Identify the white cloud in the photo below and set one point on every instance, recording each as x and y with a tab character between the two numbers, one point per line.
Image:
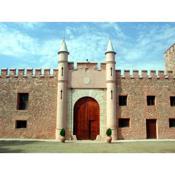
23	47
115	28
89	42
87	46
149	46
30	25
16	44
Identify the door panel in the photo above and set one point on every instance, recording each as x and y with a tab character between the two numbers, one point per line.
151	128
86	119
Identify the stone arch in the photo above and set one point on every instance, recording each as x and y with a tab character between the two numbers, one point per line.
85	97
98	94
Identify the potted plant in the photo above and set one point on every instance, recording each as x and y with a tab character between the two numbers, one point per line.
109	133
62	135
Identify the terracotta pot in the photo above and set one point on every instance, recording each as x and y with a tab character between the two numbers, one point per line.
62	139
109	139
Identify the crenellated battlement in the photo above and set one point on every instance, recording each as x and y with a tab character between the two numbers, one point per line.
126	74
144	74
26	73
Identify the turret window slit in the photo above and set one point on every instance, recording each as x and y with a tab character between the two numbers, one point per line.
111	94
62	71
61	94
111	71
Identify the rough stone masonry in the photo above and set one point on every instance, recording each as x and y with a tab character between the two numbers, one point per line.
135	105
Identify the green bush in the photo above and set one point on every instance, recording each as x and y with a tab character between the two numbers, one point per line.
62	132
109	132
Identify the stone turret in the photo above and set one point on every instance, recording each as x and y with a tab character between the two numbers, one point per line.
111	90
62	88
170	59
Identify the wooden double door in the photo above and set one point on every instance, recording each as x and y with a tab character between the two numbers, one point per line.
86	119
151	128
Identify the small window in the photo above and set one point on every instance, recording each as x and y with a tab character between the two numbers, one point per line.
122	100
172	100
111	94
172	122
61	94
150	100
21	124
62	71
111	71
123	122
22	101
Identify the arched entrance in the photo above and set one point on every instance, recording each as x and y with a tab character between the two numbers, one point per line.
86	119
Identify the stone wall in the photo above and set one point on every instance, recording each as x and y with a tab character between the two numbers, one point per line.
170	58
42	89
138	111
41	112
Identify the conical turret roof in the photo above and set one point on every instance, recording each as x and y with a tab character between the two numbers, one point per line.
110	48
63	47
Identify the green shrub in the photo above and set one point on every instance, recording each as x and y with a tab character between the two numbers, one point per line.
62	132
109	132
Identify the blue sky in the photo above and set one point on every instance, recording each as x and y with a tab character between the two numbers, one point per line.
35	45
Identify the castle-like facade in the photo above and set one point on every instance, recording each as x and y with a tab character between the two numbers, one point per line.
87	100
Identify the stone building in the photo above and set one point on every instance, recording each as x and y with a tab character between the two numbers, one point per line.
87	100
